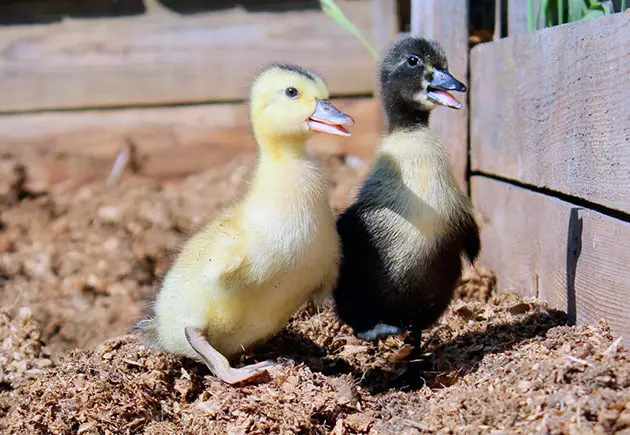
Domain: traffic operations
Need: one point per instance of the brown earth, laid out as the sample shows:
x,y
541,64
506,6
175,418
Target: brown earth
x,y
77,267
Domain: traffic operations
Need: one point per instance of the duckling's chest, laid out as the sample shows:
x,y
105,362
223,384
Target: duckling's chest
x,y
292,216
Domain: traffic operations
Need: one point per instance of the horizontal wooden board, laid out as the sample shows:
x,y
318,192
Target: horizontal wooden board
x,y
448,23
574,258
170,141
33,11
552,109
166,58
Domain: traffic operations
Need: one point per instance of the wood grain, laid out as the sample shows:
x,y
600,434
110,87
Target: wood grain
x,y
165,58
385,24
447,21
517,16
574,258
171,141
552,109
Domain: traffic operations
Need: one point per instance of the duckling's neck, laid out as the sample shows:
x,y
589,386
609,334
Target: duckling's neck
x,y
281,148
284,170
402,115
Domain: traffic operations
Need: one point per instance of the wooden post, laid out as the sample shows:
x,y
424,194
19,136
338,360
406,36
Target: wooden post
x,y
447,22
517,16
498,20
417,14
384,23
384,29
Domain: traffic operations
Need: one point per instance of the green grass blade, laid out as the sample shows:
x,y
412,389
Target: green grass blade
x,y
330,8
542,14
560,11
530,15
549,13
623,5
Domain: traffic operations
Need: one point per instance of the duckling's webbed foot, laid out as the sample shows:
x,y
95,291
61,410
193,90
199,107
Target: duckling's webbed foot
x,y
218,364
380,330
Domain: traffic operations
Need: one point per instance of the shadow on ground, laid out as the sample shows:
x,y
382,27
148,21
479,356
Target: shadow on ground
x,y
442,363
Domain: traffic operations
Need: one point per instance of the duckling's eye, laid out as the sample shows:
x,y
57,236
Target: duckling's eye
x,y
291,92
413,60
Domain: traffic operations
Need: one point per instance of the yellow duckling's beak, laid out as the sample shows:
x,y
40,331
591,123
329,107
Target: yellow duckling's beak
x,y
328,119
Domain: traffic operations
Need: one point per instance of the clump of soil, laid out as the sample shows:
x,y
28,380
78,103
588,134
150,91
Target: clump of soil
x,y
78,267
22,354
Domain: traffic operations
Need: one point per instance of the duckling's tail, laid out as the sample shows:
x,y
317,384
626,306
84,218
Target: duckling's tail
x,y
147,330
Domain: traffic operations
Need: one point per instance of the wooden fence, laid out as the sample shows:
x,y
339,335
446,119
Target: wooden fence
x,y
550,164
175,85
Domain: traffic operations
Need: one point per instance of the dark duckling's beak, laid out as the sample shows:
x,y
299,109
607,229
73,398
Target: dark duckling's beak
x,y
441,83
328,119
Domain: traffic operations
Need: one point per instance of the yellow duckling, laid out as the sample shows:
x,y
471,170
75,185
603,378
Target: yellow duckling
x,y
239,280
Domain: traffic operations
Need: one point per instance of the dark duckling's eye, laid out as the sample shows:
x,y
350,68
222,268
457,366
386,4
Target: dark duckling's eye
x,y
291,92
413,61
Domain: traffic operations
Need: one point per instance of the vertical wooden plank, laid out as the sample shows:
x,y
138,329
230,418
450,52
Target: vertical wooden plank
x,y
447,22
575,258
517,16
385,28
385,24
498,22
419,24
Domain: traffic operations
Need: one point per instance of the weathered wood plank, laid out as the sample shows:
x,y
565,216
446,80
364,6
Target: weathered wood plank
x,y
552,109
498,19
517,16
170,141
34,11
165,58
574,258
385,24
448,23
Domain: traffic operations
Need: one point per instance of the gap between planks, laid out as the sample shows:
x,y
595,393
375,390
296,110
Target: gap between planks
x,y
575,200
171,141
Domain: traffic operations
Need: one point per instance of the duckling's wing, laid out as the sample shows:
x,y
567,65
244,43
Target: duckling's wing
x,y
225,247
223,250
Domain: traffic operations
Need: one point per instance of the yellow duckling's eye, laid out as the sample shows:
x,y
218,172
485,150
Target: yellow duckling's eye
x,y
291,92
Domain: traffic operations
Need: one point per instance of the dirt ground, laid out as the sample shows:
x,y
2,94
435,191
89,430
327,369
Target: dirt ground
x,y
78,265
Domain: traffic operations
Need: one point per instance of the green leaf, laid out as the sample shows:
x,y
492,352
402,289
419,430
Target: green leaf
x,y
330,8
594,13
577,9
560,11
542,14
530,16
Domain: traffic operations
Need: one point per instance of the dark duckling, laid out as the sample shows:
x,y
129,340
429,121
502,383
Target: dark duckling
x,y
404,238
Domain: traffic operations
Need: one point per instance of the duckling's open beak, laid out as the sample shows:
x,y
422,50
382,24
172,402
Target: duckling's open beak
x,y
328,119
441,83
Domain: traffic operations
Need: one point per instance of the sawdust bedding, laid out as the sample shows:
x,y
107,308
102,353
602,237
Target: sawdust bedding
x,y
79,263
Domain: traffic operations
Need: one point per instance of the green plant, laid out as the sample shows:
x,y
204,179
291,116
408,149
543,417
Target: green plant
x,y
554,12
330,8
